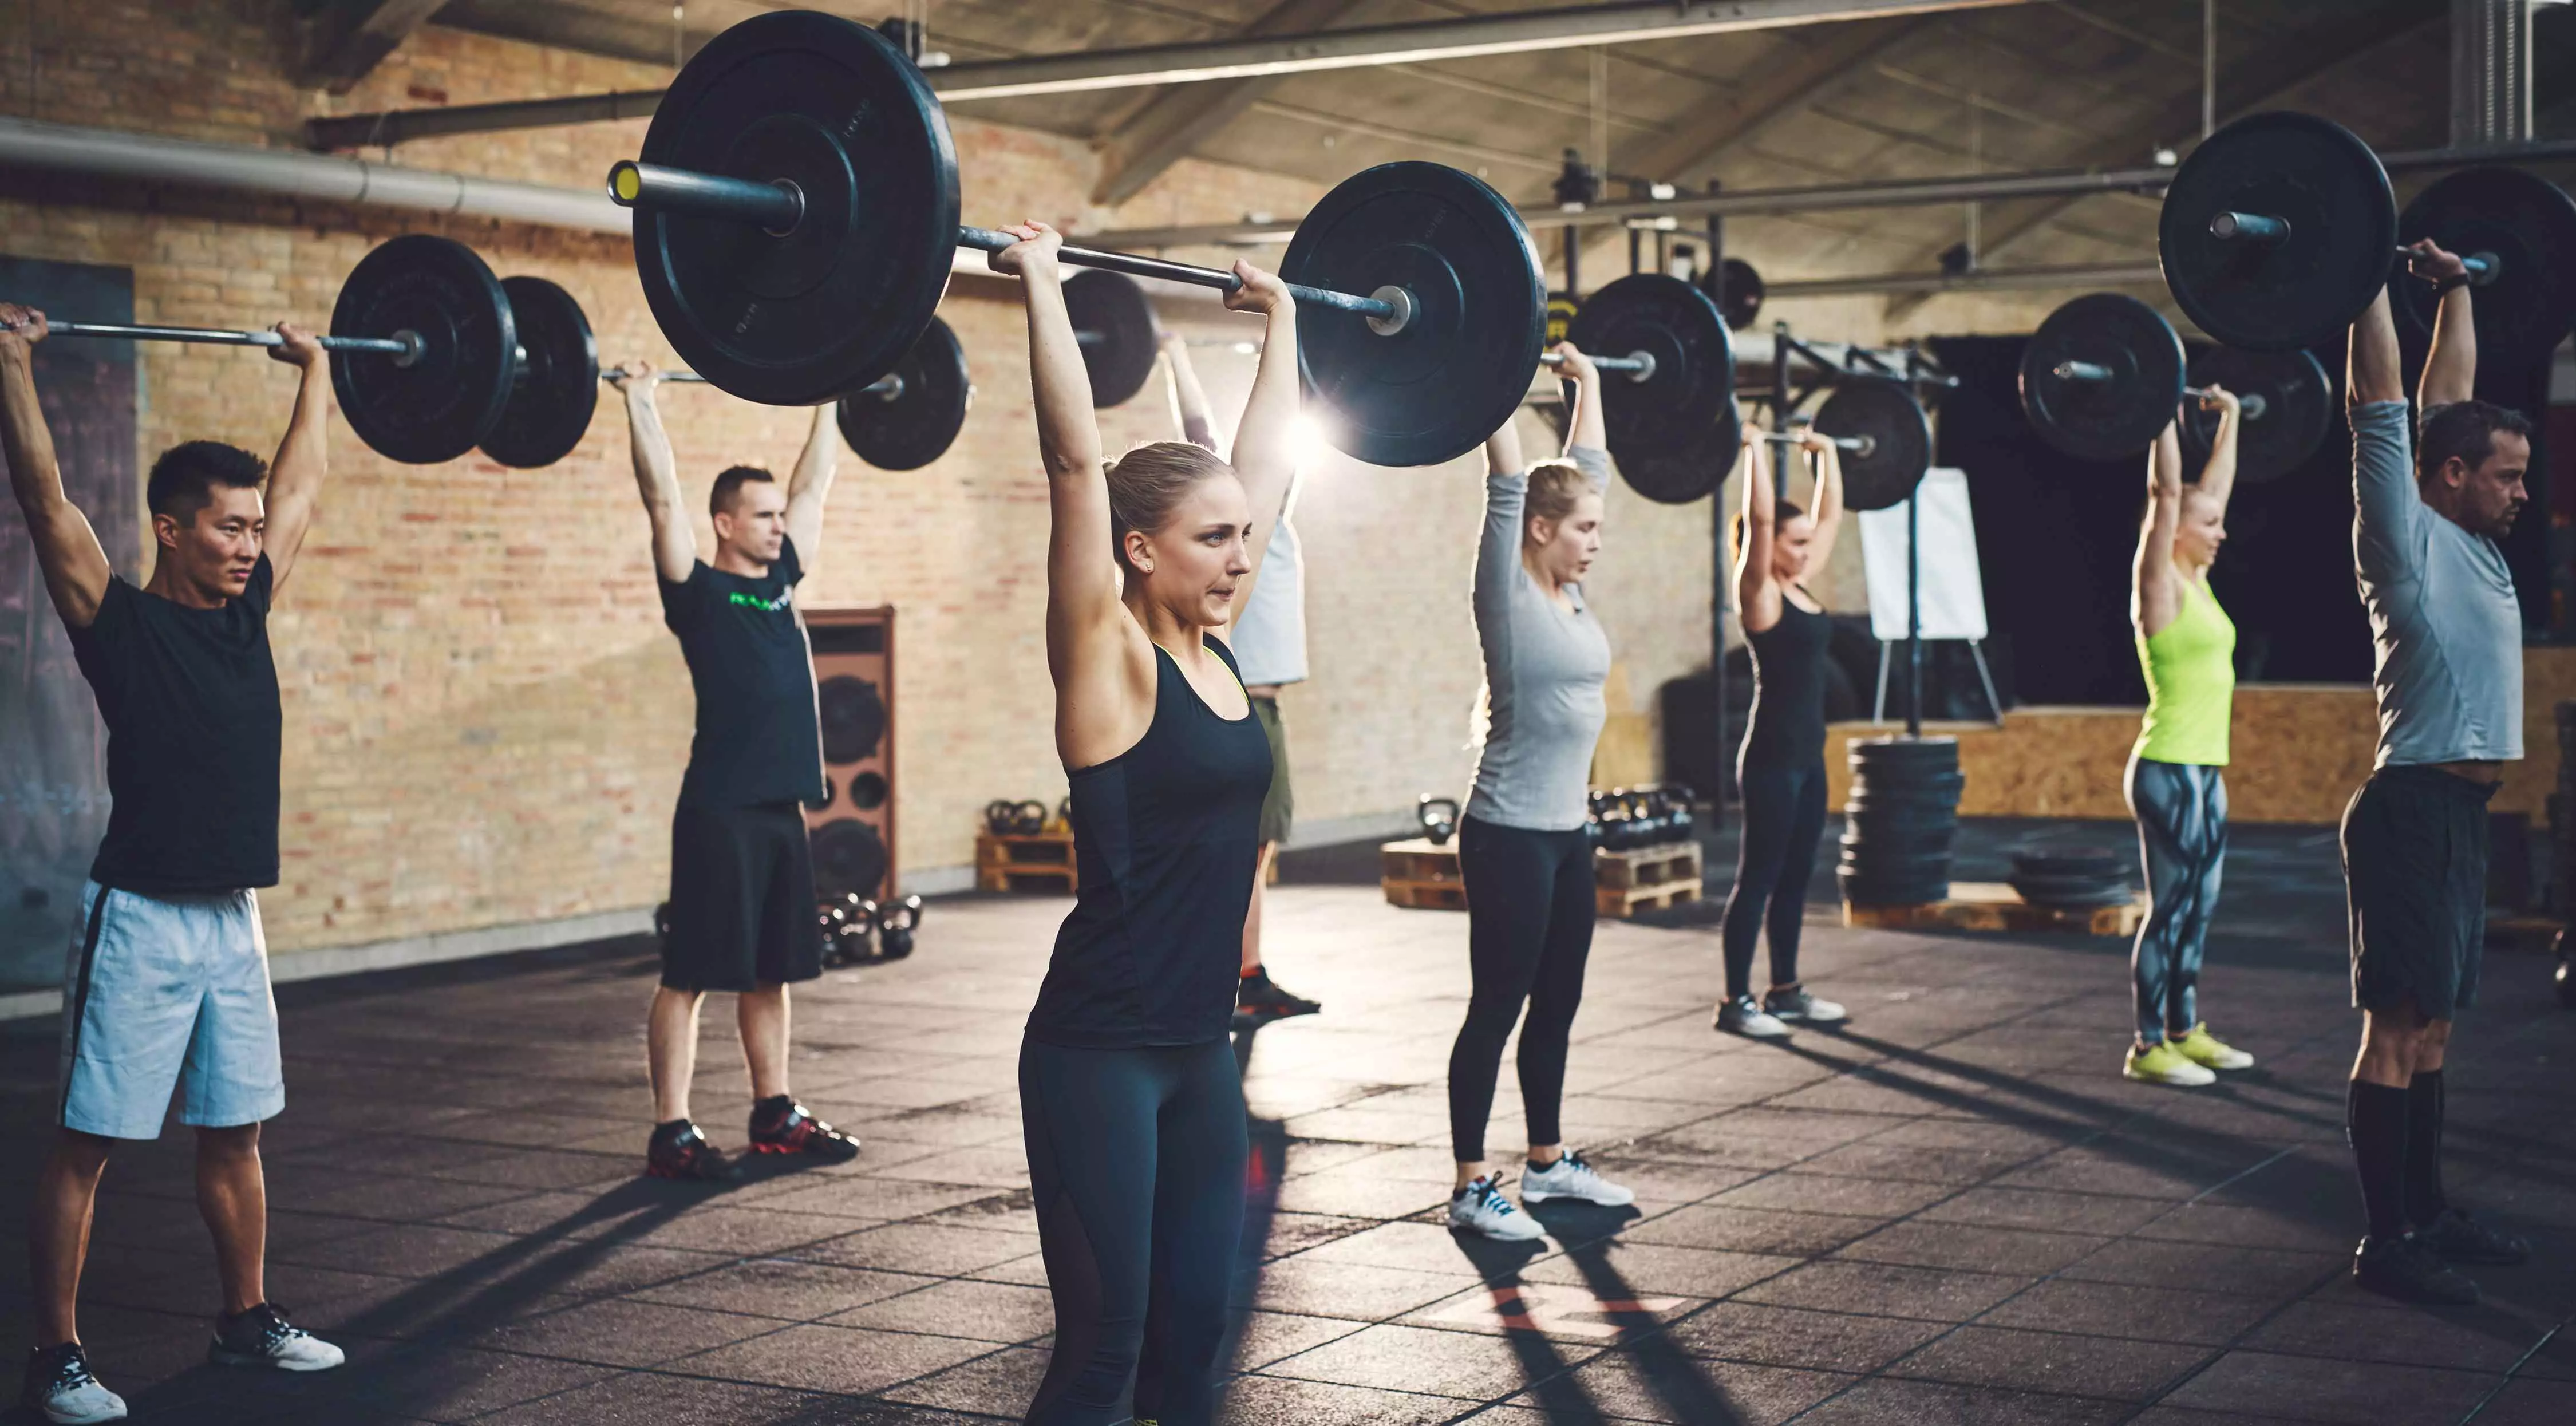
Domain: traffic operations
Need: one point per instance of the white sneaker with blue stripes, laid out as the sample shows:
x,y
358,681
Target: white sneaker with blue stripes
x,y
1571,1177
1481,1208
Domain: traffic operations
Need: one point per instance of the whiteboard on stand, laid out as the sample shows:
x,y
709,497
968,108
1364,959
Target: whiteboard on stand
x,y
1954,596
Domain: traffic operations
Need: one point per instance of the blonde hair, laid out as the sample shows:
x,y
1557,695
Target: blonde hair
x,y
1554,487
1148,483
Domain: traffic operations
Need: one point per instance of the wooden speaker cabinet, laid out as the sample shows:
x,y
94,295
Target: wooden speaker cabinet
x,y
853,827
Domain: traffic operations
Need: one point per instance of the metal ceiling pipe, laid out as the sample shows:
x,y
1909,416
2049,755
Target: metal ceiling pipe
x,y
1995,279
147,158
1245,57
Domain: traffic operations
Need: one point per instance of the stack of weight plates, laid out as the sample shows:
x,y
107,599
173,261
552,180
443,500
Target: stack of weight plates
x,y
2561,808
1904,809
2072,878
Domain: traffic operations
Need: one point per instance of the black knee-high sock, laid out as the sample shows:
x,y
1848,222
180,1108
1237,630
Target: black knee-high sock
x,y
2375,1122
2424,1095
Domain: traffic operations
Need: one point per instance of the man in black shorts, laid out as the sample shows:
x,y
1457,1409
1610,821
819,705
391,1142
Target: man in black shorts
x,y
742,914
167,986
2448,631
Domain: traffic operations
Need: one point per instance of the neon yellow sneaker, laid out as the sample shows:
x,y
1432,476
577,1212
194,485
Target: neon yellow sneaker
x,y
2205,1049
2162,1063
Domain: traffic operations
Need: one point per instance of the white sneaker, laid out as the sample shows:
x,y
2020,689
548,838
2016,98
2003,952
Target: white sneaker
x,y
1571,1177
1741,1016
1803,1008
61,1389
262,1337
1481,1208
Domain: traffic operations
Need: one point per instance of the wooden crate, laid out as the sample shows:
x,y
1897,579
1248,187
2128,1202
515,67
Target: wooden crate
x,y
1414,873
1995,906
1417,874
1043,863
1645,866
1618,903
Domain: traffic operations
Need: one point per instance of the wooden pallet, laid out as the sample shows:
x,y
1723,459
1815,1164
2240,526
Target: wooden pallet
x,y
1043,863
1995,906
1416,873
1619,903
1646,866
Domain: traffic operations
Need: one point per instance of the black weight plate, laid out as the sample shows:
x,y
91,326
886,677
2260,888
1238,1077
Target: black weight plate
x,y
915,427
2298,407
2529,226
2102,420
1744,290
829,105
849,860
1456,372
853,716
441,404
2084,899
1884,411
1115,319
1673,433
557,386
2306,288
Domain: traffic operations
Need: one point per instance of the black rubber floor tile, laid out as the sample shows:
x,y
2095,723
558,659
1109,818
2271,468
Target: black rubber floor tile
x,y
2531,1403
1460,1364
1798,1337
1571,1313
2001,1206
1636,1385
650,1399
1750,1230
2117,1310
934,1249
455,1384
2207,1267
619,1332
1913,1163
1428,1247
2477,1339
782,1288
1000,1383
1262,1338
2316,1389
842,1360
1964,1245
2051,1362
1267,1400
1311,1286
870,1196
1933,1294
1831,1193
1889,1401
980,1311
1625,1270
1356,1193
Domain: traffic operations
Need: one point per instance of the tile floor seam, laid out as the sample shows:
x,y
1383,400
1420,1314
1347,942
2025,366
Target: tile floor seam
x,y
2514,1372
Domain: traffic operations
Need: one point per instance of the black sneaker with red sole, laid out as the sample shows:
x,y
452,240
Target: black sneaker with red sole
x,y
782,1126
1257,994
680,1151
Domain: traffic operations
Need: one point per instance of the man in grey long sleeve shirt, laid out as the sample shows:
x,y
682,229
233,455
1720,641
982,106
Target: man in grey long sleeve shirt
x,y
2448,636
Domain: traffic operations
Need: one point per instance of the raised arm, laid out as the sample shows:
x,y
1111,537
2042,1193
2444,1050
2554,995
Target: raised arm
x,y
2388,510
1265,440
1584,426
2152,599
657,479
2218,477
1503,450
811,485
1189,399
2371,372
1757,594
1828,499
295,474
2451,366
67,549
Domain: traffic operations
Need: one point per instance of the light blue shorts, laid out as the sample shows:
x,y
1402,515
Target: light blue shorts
x,y
158,985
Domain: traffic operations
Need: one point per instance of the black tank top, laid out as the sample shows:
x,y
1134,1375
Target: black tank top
x,y
1788,726
1166,835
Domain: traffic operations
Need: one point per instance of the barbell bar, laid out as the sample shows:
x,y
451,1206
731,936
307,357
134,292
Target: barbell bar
x,y
2228,225
2249,404
888,387
1849,445
402,346
2105,374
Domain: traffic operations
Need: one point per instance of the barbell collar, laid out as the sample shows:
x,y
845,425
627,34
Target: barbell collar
x,y
2228,225
2088,372
772,207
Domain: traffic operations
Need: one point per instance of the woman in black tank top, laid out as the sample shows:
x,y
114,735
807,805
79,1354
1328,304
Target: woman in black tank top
x,y
1129,1097
1781,771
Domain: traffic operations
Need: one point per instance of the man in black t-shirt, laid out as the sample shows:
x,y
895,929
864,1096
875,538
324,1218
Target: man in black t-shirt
x,y
167,986
742,915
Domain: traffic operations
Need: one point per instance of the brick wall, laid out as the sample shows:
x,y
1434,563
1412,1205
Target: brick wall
x,y
486,722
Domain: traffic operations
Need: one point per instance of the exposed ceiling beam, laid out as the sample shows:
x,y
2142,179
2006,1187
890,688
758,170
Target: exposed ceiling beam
x,y
1173,122
1621,22
2343,43
1772,95
343,40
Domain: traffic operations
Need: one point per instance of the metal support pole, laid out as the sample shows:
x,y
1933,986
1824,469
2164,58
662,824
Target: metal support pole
x,y
1717,522
2490,71
1914,615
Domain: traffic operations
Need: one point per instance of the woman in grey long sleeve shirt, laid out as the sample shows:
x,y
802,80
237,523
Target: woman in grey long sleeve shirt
x,y
1522,847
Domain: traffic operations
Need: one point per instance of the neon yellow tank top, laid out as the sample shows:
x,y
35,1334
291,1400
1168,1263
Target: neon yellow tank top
x,y
2190,666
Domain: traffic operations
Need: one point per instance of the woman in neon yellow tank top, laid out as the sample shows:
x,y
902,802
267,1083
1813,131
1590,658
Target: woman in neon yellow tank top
x,y
2187,648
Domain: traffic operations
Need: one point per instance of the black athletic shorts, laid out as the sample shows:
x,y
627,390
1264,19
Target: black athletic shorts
x,y
2415,878
742,899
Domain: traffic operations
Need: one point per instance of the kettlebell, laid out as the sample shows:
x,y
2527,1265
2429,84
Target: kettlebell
x,y
895,925
1594,804
1619,816
1438,816
849,925
1029,818
662,921
1681,821
1064,812
998,816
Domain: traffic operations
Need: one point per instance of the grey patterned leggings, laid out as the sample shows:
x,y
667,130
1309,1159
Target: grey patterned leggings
x,y
2182,835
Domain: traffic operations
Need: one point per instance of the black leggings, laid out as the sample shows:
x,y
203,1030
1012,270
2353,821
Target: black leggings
x,y
1136,1162
1784,817
1529,930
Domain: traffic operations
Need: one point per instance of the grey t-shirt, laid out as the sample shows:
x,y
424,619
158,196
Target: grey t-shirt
x,y
2444,620
1545,665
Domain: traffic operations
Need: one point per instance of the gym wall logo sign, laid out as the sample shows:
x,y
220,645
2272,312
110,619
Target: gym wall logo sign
x,y
1536,1307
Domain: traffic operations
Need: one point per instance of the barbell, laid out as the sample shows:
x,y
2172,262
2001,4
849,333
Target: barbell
x,y
2105,374
2281,228
906,418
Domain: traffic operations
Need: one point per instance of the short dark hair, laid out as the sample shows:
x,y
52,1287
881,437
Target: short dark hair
x,y
2465,430
730,484
183,480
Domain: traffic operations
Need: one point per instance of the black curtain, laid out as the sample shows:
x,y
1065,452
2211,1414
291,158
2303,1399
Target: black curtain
x,y
2055,537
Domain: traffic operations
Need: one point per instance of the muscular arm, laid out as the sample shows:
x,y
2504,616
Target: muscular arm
x,y
1189,399
2451,366
1829,504
675,544
2218,477
2152,602
2370,366
295,473
1265,444
811,485
1757,595
67,549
